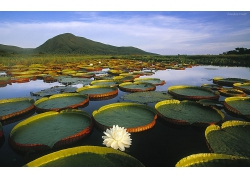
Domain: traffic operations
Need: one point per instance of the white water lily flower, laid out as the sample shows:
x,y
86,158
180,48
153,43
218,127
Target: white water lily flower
x,y
117,138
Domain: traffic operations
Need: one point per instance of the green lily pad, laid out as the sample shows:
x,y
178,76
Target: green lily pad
x,y
54,90
208,102
62,101
74,81
108,82
184,92
212,86
245,87
233,138
188,113
213,160
86,156
238,106
136,87
229,81
98,92
14,107
50,130
134,117
147,97
232,92
155,81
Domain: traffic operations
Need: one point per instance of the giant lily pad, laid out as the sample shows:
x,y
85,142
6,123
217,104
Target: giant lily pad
x,y
74,81
184,92
238,106
188,113
98,92
245,87
14,107
59,102
232,92
229,81
155,81
233,138
54,90
50,130
136,87
213,160
108,82
134,117
86,156
147,97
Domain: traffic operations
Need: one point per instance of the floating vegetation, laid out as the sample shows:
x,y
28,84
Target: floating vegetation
x,y
74,81
147,97
213,103
14,107
212,86
1,131
62,101
155,81
245,87
134,117
229,81
213,160
54,90
188,113
238,106
185,92
231,138
136,87
98,92
232,92
108,82
50,130
86,156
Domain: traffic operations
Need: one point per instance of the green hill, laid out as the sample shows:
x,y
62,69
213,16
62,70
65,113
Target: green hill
x,y
70,44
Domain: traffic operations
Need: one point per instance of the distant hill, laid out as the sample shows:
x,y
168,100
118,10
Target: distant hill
x,y
70,44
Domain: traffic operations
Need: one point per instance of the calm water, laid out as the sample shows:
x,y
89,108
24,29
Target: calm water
x,y
162,146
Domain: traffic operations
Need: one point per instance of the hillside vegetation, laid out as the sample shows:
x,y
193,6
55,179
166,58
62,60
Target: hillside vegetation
x,y
70,44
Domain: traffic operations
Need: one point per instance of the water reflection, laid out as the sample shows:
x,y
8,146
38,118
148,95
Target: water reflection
x,y
163,145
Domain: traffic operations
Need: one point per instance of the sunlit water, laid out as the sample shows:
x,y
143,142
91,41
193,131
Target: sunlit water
x,y
162,146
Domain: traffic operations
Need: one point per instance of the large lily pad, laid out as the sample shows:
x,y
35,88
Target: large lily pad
x,y
74,81
50,130
86,156
147,97
134,117
185,92
245,87
1,131
232,92
108,82
98,92
62,101
54,90
229,81
233,138
155,81
213,160
188,113
238,106
14,107
136,87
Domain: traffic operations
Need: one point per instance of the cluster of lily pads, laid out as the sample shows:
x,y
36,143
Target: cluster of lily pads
x,y
58,114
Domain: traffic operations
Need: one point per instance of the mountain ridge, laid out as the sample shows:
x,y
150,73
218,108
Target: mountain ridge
x,y
68,43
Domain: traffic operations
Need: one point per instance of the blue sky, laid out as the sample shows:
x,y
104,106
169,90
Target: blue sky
x,y
162,32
